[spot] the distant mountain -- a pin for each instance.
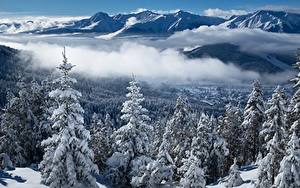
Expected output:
(145, 22)
(98, 23)
(229, 53)
(151, 23)
(267, 20)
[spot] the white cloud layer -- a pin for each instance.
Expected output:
(157, 59)
(223, 13)
(250, 40)
(30, 23)
(144, 61)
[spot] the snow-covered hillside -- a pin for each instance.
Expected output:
(23, 178)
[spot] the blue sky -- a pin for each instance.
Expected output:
(88, 7)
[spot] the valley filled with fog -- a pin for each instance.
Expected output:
(161, 58)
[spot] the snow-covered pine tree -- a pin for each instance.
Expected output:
(234, 178)
(47, 107)
(269, 165)
(193, 176)
(160, 171)
(253, 120)
(68, 161)
(108, 122)
(24, 111)
(100, 141)
(232, 133)
(289, 173)
(293, 117)
(275, 119)
(159, 130)
(201, 144)
(218, 152)
(182, 130)
(29, 132)
(131, 141)
(10, 142)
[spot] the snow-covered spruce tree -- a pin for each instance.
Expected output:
(29, 132)
(100, 141)
(269, 165)
(108, 122)
(293, 117)
(218, 153)
(131, 141)
(40, 106)
(234, 178)
(68, 161)
(275, 119)
(160, 171)
(47, 107)
(159, 130)
(201, 144)
(253, 120)
(193, 176)
(10, 142)
(25, 108)
(232, 133)
(182, 129)
(289, 173)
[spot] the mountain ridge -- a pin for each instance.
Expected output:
(148, 22)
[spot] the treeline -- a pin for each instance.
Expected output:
(44, 124)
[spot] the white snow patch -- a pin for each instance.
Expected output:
(90, 26)
(249, 178)
(24, 178)
(131, 21)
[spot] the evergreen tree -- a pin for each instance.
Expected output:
(108, 122)
(100, 141)
(293, 118)
(160, 171)
(47, 107)
(132, 140)
(159, 130)
(201, 144)
(253, 120)
(289, 173)
(10, 142)
(24, 111)
(193, 176)
(217, 153)
(181, 129)
(234, 178)
(68, 161)
(275, 119)
(269, 165)
(232, 133)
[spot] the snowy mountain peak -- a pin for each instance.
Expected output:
(99, 16)
(267, 20)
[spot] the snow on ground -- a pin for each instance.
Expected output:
(249, 176)
(28, 178)
(22, 178)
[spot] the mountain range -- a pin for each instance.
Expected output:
(152, 23)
